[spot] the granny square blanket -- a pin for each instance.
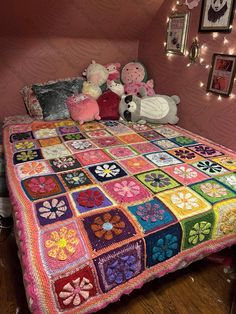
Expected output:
(104, 207)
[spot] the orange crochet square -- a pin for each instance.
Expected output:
(50, 141)
(132, 138)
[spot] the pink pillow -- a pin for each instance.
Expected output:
(83, 108)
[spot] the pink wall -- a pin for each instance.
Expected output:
(205, 115)
(50, 39)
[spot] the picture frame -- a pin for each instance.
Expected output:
(221, 76)
(177, 31)
(216, 16)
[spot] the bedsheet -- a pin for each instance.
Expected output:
(104, 207)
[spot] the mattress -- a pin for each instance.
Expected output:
(103, 207)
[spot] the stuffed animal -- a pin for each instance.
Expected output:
(140, 87)
(133, 72)
(155, 109)
(83, 108)
(113, 71)
(108, 104)
(91, 89)
(116, 87)
(96, 73)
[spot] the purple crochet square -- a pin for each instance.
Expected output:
(120, 265)
(107, 228)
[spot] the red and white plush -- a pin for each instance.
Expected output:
(113, 71)
(135, 88)
(116, 87)
(83, 108)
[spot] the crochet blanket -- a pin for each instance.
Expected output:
(102, 208)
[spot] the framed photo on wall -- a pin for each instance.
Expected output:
(177, 33)
(221, 77)
(216, 15)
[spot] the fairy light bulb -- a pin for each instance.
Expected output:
(201, 84)
(225, 41)
(215, 35)
(201, 60)
(219, 97)
(207, 66)
(165, 44)
(188, 65)
(231, 51)
(232, 96)
(207, 94)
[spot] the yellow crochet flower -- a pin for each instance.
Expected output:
(62, 243)
(24, 145)
(228, 222)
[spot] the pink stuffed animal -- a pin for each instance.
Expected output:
(113, 71)
(83, 108)
(134, 88)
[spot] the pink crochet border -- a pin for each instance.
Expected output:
(103, 300)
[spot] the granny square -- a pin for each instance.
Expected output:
(28, 155)
(73, 137)
(162, 159)
(49, 141)
(205, 150)
(209, 167)
(140, 127)
(64, 163)
(120, 152)
(185, 173)
(163, 244)
(185, 154)
(229, 180)
(55, 151)
(53, 210)
(107, 141)
(152, 215)
(183, 140)
(137, 164)
(119, 129)
(213, 191)
(62, 247)
(227, 161)
(225, 221)
(68, 129)
(165, 144)
(132, 138)
(157, 180)
(32, 168)
(93, 156)
(42, 186)
(147, 147)
(76, 178)
(15, 137)
(91, 126)
(24, 145)
(184, 202)
(120, 265)
(98, 133)
(76, 288)
(166, 131)
(108, 227)
(45, 133)
(106, 172)
(151, 135)
(127, 190)
(80, 145)
(90, 199)
(197, 229)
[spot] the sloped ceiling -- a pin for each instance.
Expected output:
(110, 19)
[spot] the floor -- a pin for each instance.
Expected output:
(202, 287)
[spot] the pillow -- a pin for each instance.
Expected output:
(31, 103)
(52, 97)
(108, 104)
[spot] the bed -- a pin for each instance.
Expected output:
(104, 207)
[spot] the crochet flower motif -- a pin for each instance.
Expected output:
(32, 168)
(184, 153)
(107, 171)
(121, 151)
(90, 198)
(199, 232)
(167, 132)
(185, 201)
(162, 158)
(53, 209)
(79, 145)
(62, 243)
(108, 141)
(75, 178)
(122, 269)
(127, 188)
(20, 136)
(41, 184)
(166, 144)
(231, 180)
(68, 129)
(44, 133)
(227, 223)
(76, 136)
(183, 140)
(205, 150)
(72, 291)
(164, 248)
(24, 156)
(210, 166)
(97, 133)
(24, 145)
(157, 180)
(149, 212)
(111, 123)
(213, 189)
(140, 127)
(186, 173)
(63, 162)
(107, 226)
